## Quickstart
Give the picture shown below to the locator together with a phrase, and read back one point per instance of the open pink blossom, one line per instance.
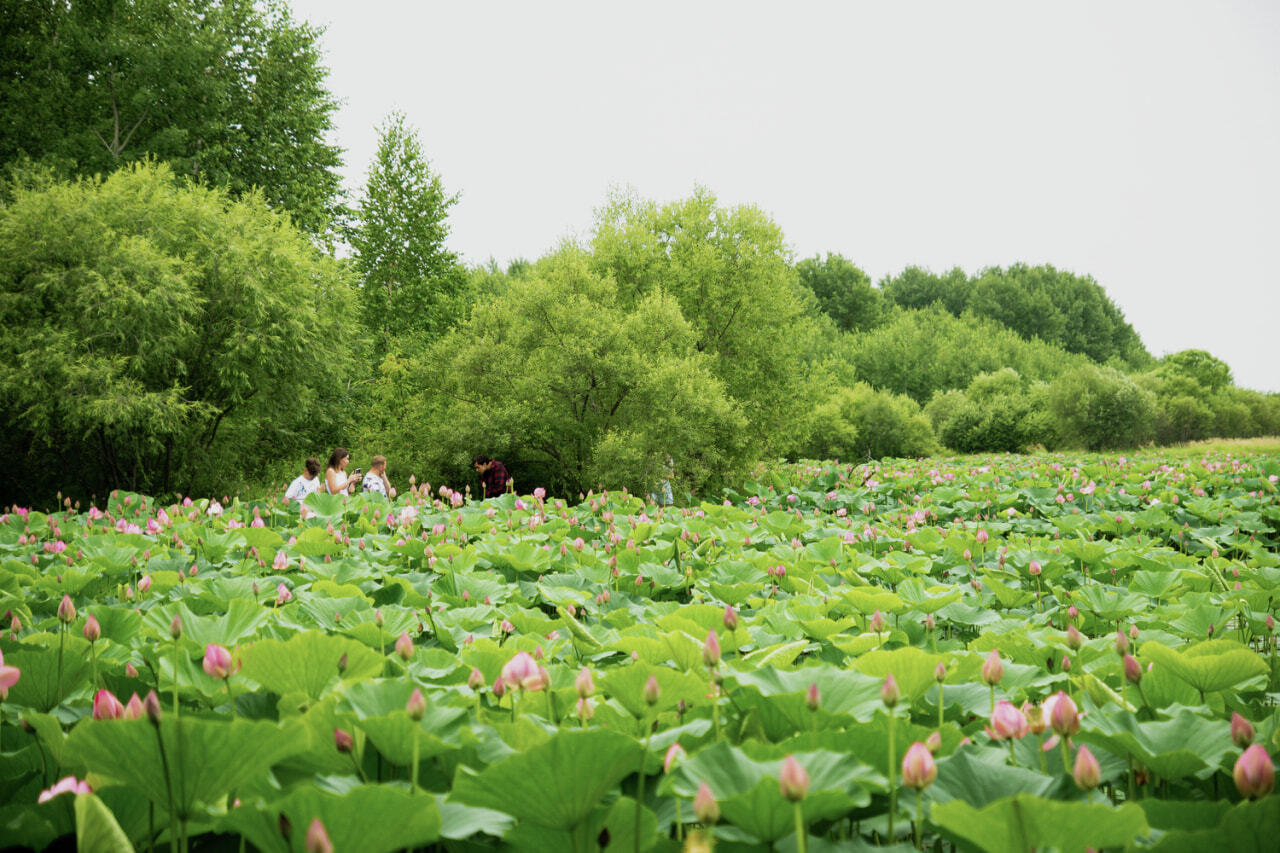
(66, 785)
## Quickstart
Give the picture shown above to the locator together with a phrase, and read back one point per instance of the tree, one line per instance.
(574, 387)
(916, 287)
(1211, 374)
(860, 423)
(229, 94)
(158, 336)
(843, 291)
(1100, 408)
(410, 283)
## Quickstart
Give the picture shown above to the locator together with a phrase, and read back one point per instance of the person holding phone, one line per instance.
(377, 481)
(335, 481)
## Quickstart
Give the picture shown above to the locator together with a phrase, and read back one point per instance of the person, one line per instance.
(376, 480)
(335, 481)
(307, 483)
(493, 475)
(662, 495)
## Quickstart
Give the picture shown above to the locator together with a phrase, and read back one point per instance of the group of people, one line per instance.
(493, 477)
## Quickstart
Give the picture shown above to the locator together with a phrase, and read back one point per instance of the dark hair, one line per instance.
(336, 457)
(481, 460)
(313, 466)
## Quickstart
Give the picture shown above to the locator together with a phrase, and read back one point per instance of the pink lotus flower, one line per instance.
(705, 808)
(522, 672)
(812, 699)
(877, 623)
(144, 584)
(1007, 722)
(133, 709)
(1242, 733)
(92, 630)
(214, 510)
(675, 754)
(1254, 773)
(889, 692)
(584, 684)
(317, 839)
(992, 669)
(66, 610)
(106, 706)
(257, 522)
(1061, 714)
(283, 594)
(793, 780)
(9, 676)
(404, 647)
(918, 767)
(730, 618)
(217, 661)
(652, 691)
(1087, 774)
(711, 650)
(66, 785)
(281, 562)
(417, 705)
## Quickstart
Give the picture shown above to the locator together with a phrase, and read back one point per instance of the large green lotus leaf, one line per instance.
(49, 730)
(118, 624)
(914, 594)
(626, 685)
(308, 662)
(1108, 604)
(1249, 827)
(266, 540)
(393, 734)
(1025, 822)
(979, 777)
(840, 692)
(868, 599)
(460, 822)
(242, 620)
(779, 654)
(326, 507)
(1008, 596)
(39, 686)
(1183, 745)
(370, 818)
(1209, 666)
(556, 784)
(1184, 814)
(912, 668)
(208, 758)
(96, 828)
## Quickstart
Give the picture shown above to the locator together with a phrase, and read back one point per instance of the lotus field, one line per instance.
(1005, 654)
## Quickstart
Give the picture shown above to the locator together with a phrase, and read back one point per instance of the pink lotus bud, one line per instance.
(1132, 671)
(992, 669)
(1087, 773)
(175, 627)
(1062, 714)
(343, 741)
(1121, 644)
(1073, 613)
(1066, 664)
(652, 691)
(144, 584)
(283, 594)
(15, 626)
(1270, 622)
(933, 742)
(92, 630)
(1034, 568)
(499, 687)
(522, 672)
(317, 839)
(811, 697)
(705, 808)
(133, 709)
(106, 706)
(417, 705)
(66, 610)
(711, 650)
(217, 661)
(476, 680)
(67, 785)
(507, 627)
(981, 537)
(130, 670)
(584, 709)
(675, 753)
(584, 684)
(151, 706)
(918, 767)
(940, 672)
(1254, 773)
(404, 647)
(877, 623)
(1133, 632)
(889, 692)
(793, 781)
(730, 623)
(1074, 640)
(1007, 722)
(1241, 730)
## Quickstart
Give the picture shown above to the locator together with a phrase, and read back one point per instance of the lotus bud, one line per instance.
(793, 780)
(217, 661)
(1064, 717)
(133, 709)
(584, 709)
(1132, 671)
(417, 705)
(705, 808)
(1074, 640)
(877, 623)
(499, 687)
(1034, 569)
(889, 692)
(404, 647)
(992, 669)
(1087, 774)
(175, 627)
(1254, 773)
(342, 663)
(1241, 730)
(675, 753)
(106, 706)
(66, 610)
(92, 630)
(144, 584)
(1035, 717)
(317, 839)
(711, 650)
(940, 672)
(130, 670)
(811, 697)
(1073, 613)
(151, 706)
(730, 624)
(583, 684)
(918, 767)
(476, 680)
(1133, 632)
(1066, 664)
(1270, 622)
(378, 619)
(652, 691)
(1121, 644)
(933, 742)
(343, 741)
(507, 627)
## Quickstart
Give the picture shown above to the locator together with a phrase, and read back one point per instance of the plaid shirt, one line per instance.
(495, 479)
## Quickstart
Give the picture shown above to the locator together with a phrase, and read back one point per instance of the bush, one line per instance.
(862, 423)
(996, 413)
(1099, 408)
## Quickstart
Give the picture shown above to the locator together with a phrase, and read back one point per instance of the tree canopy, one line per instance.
(843, 291)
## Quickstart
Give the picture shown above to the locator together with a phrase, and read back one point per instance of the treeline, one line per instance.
(174, 317)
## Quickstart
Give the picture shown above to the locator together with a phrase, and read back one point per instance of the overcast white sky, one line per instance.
(1138, 142)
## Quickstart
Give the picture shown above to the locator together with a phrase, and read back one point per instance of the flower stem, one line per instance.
(414, 771)
(941, 708)
(919, 827)
(231, 699)
(893, 785)
(1066, 755)
(802, 834)
(168, 783)
(62, 641)
(640, 786)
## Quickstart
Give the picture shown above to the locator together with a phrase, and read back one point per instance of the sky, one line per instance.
(1135, 142)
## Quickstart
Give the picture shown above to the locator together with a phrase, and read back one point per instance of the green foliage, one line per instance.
(843, 291)
(1208, 372)
(919, 288)
(1100, 408)
(411, 285)
(155, 335)
(997, 412)
(861, 423)
(230, 94)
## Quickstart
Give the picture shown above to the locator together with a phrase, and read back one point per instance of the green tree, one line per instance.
(1100, 408)
(156, 336)
(411, 284)
(229, 93)
(916, 287)
(859, 423)
(1211, 374)
(843, 291)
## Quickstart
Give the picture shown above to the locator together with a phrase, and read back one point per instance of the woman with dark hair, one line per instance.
(307, 483)
(335, 481)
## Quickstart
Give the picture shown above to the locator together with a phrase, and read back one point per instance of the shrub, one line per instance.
(1098, 408)
(862, 423)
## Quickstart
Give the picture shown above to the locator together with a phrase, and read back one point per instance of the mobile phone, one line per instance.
(359, 470)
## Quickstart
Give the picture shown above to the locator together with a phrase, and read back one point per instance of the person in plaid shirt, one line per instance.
(493, 474)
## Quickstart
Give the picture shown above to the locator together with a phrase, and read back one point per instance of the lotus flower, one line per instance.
(283, 594)
(106, 706)
(404, 647)
(1132, 670)
(343, 741)
(1007, 722)
(92, 630)
(133, 709)
(992, 669)
(476, 679)
(730, 620)
(812, 698)
(1241, 731)
(66, 610)
(889, 692)
(793, 781)
(66, 785)
(217, 661)
(651, 691)
(711, 650)
(1254, 773)
(675, 753)
(144, 584)
(918, 767)
(1062, 715)
(705, 807)
(1087, 774)
(584, 684)
(417, 705)
(521, 672)
(317, 839)
(9, 676)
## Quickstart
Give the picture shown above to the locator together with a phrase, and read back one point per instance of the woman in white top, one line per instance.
(307, 483)
(335, 481)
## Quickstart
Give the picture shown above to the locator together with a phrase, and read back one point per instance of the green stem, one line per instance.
(893, 785)
(919, 827)
(802, 834)
(679, 822)
(1044, 764)
(414, 772)
(1013, 759)
(93, 660)
(175, 679)
(640, 786)
(941, 707)
(62, 641)
(1066, 754)
(993, 700)
(231, 699)
(168, 783)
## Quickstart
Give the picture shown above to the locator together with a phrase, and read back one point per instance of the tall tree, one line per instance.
(229, 93)
(843, 291)
(410, 282)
